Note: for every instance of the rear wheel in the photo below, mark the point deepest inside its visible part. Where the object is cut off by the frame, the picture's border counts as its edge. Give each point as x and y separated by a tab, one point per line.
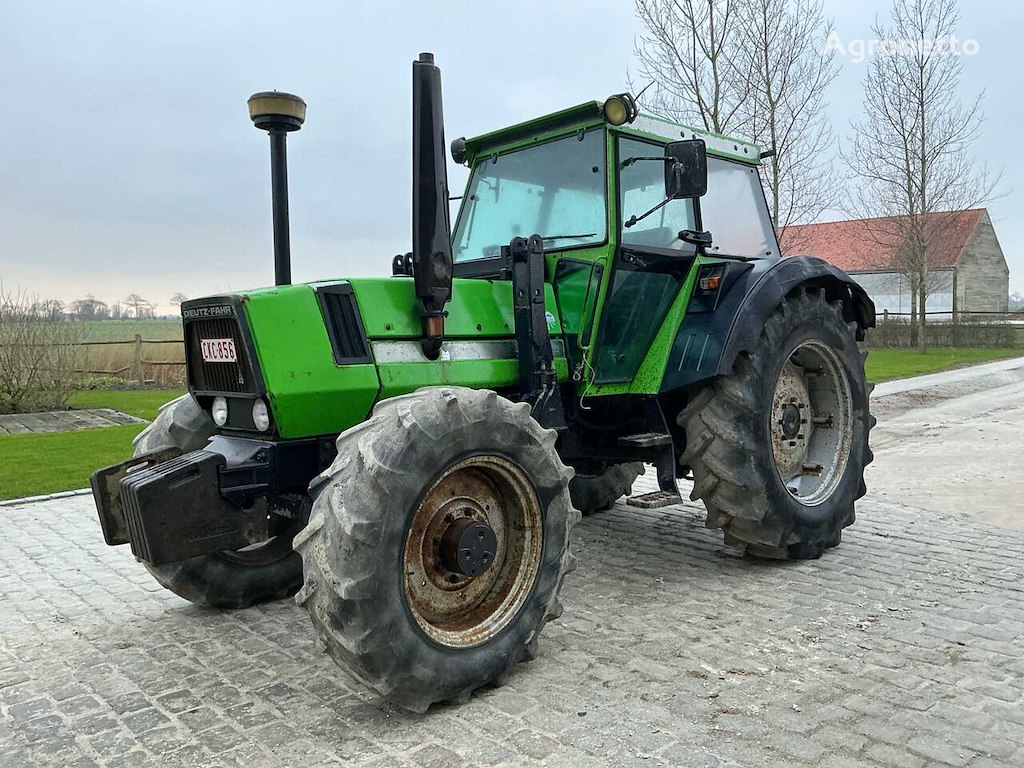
437	544
597	493
230	579
778	449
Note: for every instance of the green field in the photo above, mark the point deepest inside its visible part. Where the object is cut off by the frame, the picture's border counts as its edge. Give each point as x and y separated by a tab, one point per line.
889	364
125	330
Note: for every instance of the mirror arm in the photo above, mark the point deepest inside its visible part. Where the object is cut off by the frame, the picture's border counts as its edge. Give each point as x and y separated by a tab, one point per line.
630	160
701	239
636	219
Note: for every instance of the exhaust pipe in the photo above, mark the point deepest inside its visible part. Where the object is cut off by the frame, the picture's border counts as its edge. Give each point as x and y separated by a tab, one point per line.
278	114
431	228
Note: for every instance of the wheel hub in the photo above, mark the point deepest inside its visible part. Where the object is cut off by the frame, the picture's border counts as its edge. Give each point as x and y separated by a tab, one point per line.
468	547
789	420
473	550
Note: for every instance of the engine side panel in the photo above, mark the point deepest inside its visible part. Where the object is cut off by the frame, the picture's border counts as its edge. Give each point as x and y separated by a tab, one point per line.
308	393
319	379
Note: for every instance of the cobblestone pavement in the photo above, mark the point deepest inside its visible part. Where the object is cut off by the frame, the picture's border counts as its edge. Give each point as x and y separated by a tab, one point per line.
901	648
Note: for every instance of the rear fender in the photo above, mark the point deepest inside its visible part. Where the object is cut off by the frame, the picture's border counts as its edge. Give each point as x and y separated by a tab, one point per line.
708	343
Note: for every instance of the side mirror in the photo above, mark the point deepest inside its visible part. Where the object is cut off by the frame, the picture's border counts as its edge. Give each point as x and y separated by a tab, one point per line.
686	169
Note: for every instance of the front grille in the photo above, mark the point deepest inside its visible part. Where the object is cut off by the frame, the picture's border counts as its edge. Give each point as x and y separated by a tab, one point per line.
235	377
344	326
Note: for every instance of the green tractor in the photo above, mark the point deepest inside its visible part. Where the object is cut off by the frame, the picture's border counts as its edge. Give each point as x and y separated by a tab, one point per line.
407	455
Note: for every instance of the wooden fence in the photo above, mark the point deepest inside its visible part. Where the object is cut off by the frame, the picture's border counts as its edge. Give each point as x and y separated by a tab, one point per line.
136	364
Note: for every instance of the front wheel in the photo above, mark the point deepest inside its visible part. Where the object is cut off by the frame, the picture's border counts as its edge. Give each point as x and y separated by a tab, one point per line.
229	579
437	544
778	449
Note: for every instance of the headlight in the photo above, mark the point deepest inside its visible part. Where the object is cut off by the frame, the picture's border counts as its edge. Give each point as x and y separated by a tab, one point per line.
260	415
219	411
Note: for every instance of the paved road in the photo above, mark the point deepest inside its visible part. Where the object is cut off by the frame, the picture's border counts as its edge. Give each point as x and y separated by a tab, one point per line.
953	442
901	648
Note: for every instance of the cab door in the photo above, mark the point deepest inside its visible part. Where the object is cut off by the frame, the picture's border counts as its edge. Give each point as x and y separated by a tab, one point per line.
649	265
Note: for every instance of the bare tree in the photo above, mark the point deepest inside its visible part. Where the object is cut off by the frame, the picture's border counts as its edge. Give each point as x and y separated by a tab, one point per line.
39	354
757	68
52	309
785	111
910	154
139	305
177	299
691	52
89	308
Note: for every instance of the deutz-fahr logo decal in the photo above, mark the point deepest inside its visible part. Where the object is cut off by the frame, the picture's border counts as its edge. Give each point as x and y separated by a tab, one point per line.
195	312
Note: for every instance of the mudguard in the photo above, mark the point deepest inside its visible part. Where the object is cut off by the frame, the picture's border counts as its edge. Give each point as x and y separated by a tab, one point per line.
710	338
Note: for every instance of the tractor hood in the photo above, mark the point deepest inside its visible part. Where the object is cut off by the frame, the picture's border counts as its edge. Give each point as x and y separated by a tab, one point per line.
320	354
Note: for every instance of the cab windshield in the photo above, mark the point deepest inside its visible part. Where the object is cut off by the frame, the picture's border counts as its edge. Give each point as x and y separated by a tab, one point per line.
555	189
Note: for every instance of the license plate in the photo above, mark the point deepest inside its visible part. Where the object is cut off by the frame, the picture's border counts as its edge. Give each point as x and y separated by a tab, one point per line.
218	350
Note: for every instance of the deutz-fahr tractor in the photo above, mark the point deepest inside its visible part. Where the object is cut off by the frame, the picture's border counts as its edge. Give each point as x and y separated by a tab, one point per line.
408	454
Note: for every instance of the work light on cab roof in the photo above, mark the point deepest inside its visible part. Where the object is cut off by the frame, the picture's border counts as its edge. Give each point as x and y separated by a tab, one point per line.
620	109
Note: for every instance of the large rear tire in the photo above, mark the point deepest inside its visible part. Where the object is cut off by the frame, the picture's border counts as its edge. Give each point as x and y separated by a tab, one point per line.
266	571
778	449
380	585
597	493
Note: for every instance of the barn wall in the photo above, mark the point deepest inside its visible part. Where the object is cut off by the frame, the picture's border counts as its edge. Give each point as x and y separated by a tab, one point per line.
891	292
983	279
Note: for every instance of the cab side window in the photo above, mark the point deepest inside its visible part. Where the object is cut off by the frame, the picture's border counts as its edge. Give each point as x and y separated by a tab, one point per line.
735	213
641	187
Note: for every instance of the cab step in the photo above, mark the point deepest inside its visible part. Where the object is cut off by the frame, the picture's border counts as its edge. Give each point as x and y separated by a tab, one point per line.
654	499
645	440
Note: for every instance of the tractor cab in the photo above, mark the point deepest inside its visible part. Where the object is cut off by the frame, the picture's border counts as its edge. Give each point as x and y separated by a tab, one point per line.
593	181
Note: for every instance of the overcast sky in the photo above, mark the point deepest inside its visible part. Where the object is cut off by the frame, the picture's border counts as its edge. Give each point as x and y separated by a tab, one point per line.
128	163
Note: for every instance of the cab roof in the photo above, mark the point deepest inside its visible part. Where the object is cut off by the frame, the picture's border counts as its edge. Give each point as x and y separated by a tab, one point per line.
590	114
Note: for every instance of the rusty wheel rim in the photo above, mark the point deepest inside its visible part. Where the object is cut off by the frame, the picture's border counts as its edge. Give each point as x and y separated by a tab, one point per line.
811	422
453	609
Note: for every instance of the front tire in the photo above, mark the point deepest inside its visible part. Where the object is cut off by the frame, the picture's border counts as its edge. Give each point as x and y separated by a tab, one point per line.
380	586
266	571
778	449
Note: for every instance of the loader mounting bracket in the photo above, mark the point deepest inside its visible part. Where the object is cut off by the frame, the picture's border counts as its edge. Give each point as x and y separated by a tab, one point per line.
538	381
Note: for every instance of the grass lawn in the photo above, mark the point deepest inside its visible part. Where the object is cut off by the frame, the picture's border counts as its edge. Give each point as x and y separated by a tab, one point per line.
143	403
888	364
62	461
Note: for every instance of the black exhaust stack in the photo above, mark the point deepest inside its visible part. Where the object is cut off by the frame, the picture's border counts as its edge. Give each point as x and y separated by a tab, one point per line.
431	229
278	114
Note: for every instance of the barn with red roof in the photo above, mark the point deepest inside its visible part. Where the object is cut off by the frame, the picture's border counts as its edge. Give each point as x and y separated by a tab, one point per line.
967	269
